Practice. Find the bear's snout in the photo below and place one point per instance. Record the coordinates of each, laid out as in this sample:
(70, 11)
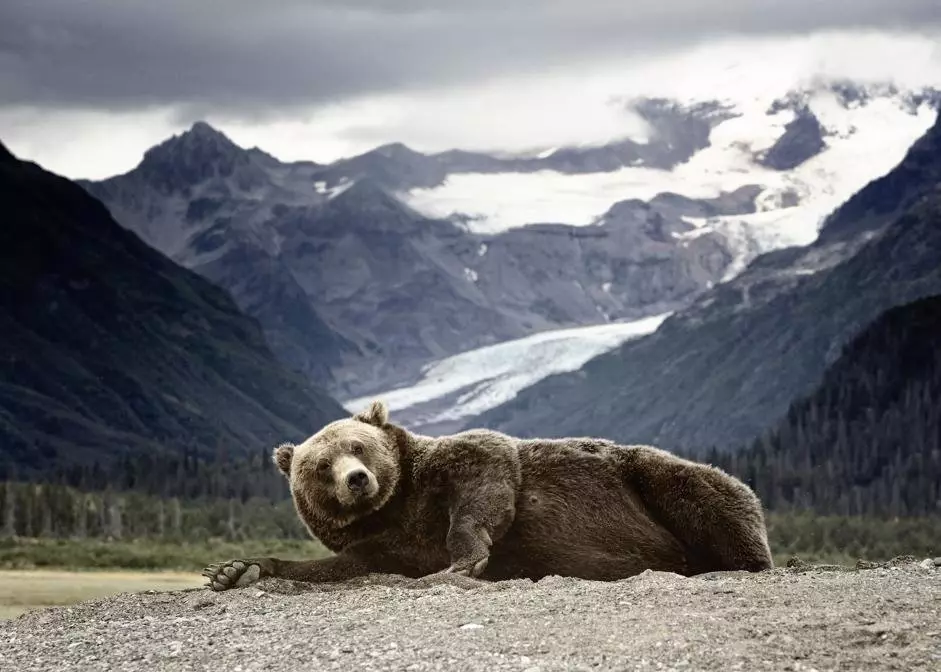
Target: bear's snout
(357, 481)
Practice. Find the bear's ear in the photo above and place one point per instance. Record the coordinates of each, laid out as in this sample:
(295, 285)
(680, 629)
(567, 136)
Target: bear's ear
(377, 414)
(282, 456)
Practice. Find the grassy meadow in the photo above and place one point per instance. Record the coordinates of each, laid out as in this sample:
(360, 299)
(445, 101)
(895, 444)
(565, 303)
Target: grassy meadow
(22, 590)
(36, 573)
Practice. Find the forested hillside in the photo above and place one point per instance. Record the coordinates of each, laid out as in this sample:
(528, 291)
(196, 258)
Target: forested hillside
(728, 367)
(110, 349)
(868, 440)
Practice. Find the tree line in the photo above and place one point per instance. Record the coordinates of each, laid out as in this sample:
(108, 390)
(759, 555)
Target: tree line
(50, 511)
(867, 442)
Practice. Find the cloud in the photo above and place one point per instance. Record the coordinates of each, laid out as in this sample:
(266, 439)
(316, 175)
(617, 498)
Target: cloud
(254, 58)
(514, 112)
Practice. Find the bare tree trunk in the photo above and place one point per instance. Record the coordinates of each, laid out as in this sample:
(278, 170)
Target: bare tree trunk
(9, 511)
(161, 519)
(45, 503)
(176, 518)
(80, 512)
(103, 506)
(230, 523)
(115, 528)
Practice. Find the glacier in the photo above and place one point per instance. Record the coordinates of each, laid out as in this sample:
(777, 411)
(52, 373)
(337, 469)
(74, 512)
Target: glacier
(863, 142)
(472, 382)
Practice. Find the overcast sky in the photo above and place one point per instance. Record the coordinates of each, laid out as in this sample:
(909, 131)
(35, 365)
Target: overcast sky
(87, 85)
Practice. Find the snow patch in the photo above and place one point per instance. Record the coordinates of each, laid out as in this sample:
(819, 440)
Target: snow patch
(863, 143)
(501, 201)
(496, 373)
(345, 184)
(470, 274)
(702, 228)
(482, 250)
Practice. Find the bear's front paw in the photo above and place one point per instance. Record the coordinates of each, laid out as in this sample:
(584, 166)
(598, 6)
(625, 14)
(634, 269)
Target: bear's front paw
(471, 567)
(232, 574)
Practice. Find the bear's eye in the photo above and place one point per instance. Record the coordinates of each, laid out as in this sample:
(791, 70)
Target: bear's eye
(323, 466)
(357, 449)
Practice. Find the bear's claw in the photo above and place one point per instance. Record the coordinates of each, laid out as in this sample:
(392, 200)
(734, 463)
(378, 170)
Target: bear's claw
(232, 574)
(472, 571)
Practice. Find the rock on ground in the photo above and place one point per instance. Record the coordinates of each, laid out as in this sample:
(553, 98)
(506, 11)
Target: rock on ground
(887, 617)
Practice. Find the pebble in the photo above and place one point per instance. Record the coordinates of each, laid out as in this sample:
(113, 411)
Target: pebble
(665, 623)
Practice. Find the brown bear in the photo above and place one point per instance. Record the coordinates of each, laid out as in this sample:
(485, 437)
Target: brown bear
(487, 505)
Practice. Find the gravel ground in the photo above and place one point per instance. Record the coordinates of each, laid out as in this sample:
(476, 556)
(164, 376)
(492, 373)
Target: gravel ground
(800, 618)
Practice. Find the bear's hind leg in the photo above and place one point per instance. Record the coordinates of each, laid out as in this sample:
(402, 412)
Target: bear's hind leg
(718, 518)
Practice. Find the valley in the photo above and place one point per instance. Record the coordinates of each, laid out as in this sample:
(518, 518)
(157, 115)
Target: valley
(421, 335)
(327, 257)
(698, 295)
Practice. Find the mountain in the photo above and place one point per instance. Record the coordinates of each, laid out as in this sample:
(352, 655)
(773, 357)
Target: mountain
(352, 279)
(205, 203)
(109, 348)
(676, 132)
(366, 271)
(727, 367)
(868, 440)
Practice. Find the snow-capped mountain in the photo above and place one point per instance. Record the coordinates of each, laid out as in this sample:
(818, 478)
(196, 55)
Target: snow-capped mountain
(367, 271)
(809, 151)
(726, 368)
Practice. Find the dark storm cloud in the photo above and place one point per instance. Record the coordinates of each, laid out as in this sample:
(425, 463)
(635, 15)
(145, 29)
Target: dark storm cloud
(249, 56)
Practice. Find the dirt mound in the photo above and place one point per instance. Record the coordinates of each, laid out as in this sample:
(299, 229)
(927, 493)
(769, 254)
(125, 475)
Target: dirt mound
(883, 616)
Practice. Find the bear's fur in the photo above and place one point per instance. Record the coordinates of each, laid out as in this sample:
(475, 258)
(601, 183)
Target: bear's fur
(487, 505)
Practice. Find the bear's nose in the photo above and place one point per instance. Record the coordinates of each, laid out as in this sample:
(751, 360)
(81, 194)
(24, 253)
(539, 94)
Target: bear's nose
(357, 480)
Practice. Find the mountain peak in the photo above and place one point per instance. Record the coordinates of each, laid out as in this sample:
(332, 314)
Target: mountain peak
(198, 154)
(396, 150)
(199, 137)
(395, 166)
(203, 128)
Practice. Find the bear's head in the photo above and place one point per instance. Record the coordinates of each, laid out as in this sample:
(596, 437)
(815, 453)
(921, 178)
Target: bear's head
(348, 469)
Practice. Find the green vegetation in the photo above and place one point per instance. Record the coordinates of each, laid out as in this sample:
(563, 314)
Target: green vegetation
(846, 539)
(867, 442)
(145, 554)
(39, 572)
(830, 539)
(43, 525)
(63, 512)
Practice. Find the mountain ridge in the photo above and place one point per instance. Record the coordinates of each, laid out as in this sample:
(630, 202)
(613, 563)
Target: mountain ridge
(866, 441)
(724, 369)
(323, 244)
(642, 241)
(110, 347)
